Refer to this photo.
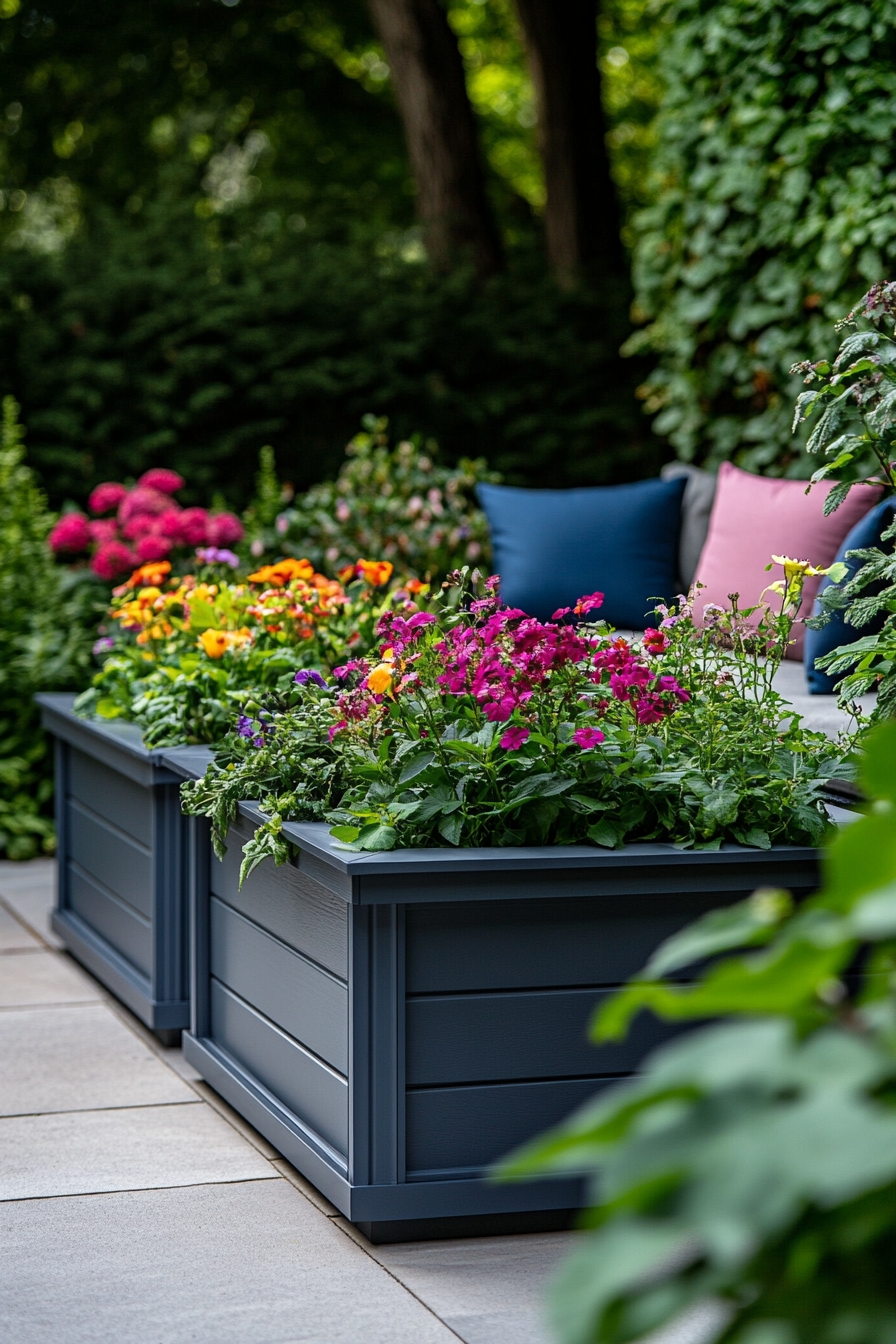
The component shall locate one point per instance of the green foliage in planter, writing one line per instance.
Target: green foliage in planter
(749, 1174)
(393, 504)
(44, 645)
(480, 726)
(775, 178)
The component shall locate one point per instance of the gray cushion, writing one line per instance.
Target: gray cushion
(696, 507)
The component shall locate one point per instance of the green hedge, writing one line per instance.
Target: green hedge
(137, 347)
(775, 180)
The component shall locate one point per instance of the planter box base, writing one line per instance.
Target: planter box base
(420, 1210)
(118, 975)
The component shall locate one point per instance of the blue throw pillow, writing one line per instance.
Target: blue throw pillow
(867, 532)
(552, 546)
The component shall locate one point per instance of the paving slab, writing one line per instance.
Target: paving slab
(249, 1263)
(29, 891)
(14, 937)
(43, 978)
(78, 1059)
(140, 1148)
(489, 1290)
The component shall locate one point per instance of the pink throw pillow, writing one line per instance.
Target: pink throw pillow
(756, 517)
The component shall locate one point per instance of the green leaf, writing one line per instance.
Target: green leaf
(203, 616)
(347, 834)
(415, 767)
(450, 828)
(604, 833)
(377, 836)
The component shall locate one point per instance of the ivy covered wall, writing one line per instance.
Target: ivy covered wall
(774, 205)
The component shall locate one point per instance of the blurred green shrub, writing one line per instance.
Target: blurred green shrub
(46, 619)
(142, 345)
(775, 186)
(390, 504)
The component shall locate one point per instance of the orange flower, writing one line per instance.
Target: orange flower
(346, 574)
(151, 575)
(380, 679)
(279, 575)
(217, 642)
(416, 586)
(375, 572)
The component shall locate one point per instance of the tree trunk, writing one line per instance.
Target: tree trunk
(582, 212)
(440, 130)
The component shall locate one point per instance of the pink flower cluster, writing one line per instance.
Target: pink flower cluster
(504, 659)
(652, 697)
(148, 524)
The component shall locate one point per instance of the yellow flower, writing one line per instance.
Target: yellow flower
(217, 642)
(380, 679)
(795, 574)
(375, 572)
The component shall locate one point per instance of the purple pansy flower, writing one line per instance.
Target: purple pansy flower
(308, 675)
(104, 645)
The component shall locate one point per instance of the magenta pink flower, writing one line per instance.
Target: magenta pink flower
(138, 526)
(224, 529)
(113, 558)
(160, 478)
(194, 527)
(587, 738)
(514, 738)
(106, 497)
(142, 499)
(152, 547)
(655, 641)
(102, 529)
(336, 728)
(168, 524)
(71, 534)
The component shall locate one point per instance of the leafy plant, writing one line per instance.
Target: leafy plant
(774, 173)
(854, 399)
(748, 1175)
(481, 726)
(44, 645)
(394, 502)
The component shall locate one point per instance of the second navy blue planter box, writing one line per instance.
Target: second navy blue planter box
(121, 892)
(393, 1023)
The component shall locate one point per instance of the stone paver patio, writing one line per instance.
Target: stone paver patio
(136, 1206)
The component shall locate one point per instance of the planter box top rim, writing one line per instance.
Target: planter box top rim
(126, 736)
(314, 838)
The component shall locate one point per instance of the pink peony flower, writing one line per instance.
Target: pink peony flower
(71, 534)
(138, 526)
(194, 527)
(113, 558)
(587, 738)
(106, 497)
(152, 547)
(160, 478)
(224, 529)
(142, 499)
(102, 529)
(168, 524)
(514, 738)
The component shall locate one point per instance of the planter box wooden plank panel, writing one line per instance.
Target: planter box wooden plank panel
(486, 945)
(124, 929)
(466, 1012)
(113, 796)
(316, 923)
(464, 1129)
(121, 898)
(114, 859)
(308, 1003)
(490, 1037)
(316, 1093)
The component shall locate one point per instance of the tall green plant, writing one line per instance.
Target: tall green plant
(44, 645)
(775, 180)
(746, 1181)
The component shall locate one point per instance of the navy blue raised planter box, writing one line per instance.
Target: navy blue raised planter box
(393, 1023)
(121, 905)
